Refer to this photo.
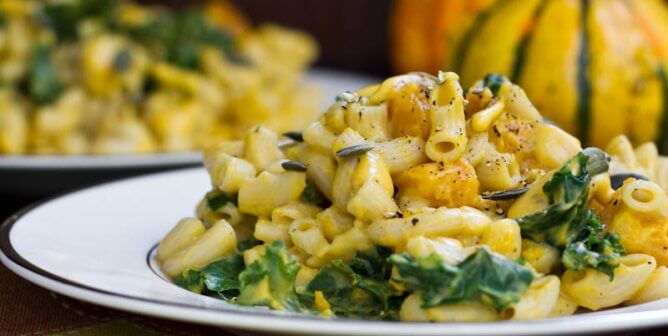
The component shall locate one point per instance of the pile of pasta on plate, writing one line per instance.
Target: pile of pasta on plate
(415, 200)
(111, 76)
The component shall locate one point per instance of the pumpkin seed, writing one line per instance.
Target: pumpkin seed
(441, 77)
(598, 160)
(354, 150)
(505, 194)
(350, 97)
(617, 180)
(294, 135)
(294, 165)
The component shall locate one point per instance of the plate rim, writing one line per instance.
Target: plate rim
(106, 161)
(235, 319)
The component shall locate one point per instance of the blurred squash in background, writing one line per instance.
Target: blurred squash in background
(598, 68)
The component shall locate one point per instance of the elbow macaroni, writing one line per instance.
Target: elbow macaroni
(408, 166)
(594, 290)
(447, 139)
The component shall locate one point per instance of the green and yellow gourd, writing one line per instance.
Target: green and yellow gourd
(598, 68)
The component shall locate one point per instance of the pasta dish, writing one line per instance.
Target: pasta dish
(416, 200)
(111, 76)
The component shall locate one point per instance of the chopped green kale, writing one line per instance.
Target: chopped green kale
(43, 84)
(181, 35)
(64, 17)
(248, 244)
(270, 280)
(494, 81)
(568, 224)
(220, 278)
(216, 199)
(594, 249)
(358, 290)
(312, 195)
(482, 276)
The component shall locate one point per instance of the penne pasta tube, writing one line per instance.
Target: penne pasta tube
(213, 244)
(447, 139)
(182, 235)
(401, 153)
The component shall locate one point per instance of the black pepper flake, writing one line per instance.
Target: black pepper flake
(414, 221)
(496, 131)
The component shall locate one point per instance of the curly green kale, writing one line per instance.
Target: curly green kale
(270, 280)
(359, 289)
(482, 276)
(219, 279)
(568, 224)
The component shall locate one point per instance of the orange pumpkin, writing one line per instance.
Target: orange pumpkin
(595, 67)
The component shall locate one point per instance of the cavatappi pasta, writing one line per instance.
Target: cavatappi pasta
(417, 200)
(111, 76)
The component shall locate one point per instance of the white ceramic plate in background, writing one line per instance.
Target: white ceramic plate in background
(35, 176)
(94, 245)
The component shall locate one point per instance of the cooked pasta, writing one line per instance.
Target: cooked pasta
(406, 201)
(106, 77)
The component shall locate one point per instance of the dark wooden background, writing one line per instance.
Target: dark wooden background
(352, 33)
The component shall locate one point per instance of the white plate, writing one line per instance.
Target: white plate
(33, 175)
(94, 245)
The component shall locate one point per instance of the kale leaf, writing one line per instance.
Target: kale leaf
(191, 280)
(594, 249)
(312, 195)
(564, 219)
(220, 278)
(374, 264)
(217, 199)
(64, 17)
(358, 290)
(568, 224)
(43, 84)
(270, 280)
(482, 276)
(494, 81)
(181, 35)
(248, 244)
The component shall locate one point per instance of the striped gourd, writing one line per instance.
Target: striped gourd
(598, 68)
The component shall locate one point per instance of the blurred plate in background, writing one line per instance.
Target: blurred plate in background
(31, 176)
